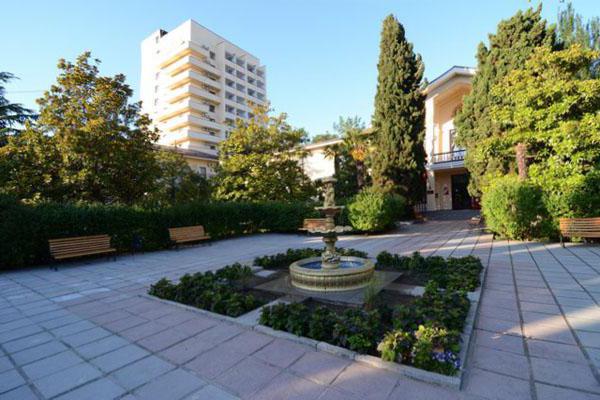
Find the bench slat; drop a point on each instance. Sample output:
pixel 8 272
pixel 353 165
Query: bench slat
pixel 580 227
pixel 188 234
pixel 72 247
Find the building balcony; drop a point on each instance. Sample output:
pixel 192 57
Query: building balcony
pixel 191 60
pixel 447 160
pixel 192 121
pixel 197 77
pixel 193 91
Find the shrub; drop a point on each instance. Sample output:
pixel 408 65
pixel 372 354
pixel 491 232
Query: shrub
pixel 452 273
pixel 399 206
pixel 436 349
pixel 515 209
pixel 25 229
pixel 283 260
pixel 209 291
pixel 371 211
pixel 584 200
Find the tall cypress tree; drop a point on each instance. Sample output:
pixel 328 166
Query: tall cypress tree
pixel 509 48
pixel 398 160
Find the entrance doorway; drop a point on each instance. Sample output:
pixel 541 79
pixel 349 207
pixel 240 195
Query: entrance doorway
pixel 460 196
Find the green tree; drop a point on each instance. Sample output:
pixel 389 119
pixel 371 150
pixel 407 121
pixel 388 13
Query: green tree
pixel 350 156
pixel 572 30
pixel 30 167
pixel 88 143
pixel 323 137
pixel 555 110
pixel 177 182
pixel 508 49
pixel 105 144
pixel 259 161
pixel 398 159
pixel 11 114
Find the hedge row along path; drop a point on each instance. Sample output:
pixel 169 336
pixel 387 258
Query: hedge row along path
pixel 84 330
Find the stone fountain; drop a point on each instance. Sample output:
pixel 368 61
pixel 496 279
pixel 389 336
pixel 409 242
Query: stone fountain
pixel 331 272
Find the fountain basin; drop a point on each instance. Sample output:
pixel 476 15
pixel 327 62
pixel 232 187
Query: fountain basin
pixel 352 273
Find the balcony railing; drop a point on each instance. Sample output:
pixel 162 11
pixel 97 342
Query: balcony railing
pixel 449 156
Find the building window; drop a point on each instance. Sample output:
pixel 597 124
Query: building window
pixel 452 136
pixel 212 55
pixel 211 108
pixel 202 171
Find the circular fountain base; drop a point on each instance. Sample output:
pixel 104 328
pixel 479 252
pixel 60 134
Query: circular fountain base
pixel 352 273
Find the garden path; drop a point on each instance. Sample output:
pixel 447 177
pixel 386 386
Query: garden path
pixel 84 332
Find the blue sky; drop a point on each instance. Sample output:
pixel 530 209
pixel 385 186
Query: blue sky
pixel 321 56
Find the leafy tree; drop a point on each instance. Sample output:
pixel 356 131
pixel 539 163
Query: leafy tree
pixel 106 145
pixel 88 139
pixel 323 137
pixel 572 30
pixel 11 114
pixel 177 183
pixel 555 110
pixel 398 160
pixel 350 156
pixel 508 49
pixel 259 161
pixel 30 167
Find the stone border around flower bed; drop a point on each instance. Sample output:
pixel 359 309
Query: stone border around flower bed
pixel 249 321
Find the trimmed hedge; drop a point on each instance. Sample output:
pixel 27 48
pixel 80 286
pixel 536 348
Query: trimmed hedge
pixel 25 229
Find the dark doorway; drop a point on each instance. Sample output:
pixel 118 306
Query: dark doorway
pixel 460 196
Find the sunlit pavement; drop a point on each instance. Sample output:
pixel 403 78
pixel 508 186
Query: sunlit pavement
pixel 83 331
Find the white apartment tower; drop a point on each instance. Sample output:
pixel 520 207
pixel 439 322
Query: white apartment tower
pixel 194 85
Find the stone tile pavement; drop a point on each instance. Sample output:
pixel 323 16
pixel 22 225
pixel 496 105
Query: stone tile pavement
pixel 84 333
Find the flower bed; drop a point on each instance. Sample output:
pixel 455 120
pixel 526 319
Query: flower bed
pixel 424 333
pixel 451 273
pixel 224 292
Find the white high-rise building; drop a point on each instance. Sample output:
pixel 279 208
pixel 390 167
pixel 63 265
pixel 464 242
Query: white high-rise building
pixel 194 85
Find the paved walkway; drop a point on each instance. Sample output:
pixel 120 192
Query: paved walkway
pixel 84 333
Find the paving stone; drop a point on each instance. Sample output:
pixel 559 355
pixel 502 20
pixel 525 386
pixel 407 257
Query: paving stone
pixel 81 338
pixel 320 367
pixel 101 346
pixel 5 364
pixel 196 325
pixel 126 323
pixel 495 386
pixel 38 352
pixel 281 353
pixel 20 393
pixel 247 377
pixel 499 341
pixel 412 389
pixel 10 379
pixel 214 362
pixel 500 361
pixel 339 394
pixel 248 342
pixel 142 331
pixel 553 333
pixel 500 326
pixel 547 392
pixel 52 364
pixel 360 380
pixel 556 351
pixel 175 318
pixel 141 372
pixel 290 387
pixel 211 392
pixel 564 374
pixel 173 385
pixel 102 389
pixel 74 328
pixel 27 342
pixel 60 322
pixel 589 339
pixel 119 358
pixel 66 379
pixel 162 340
pixel 186 350
pixel 220 333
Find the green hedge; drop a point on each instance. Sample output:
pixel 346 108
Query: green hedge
pixel 373 211
pixel 25 229
pixel 515 209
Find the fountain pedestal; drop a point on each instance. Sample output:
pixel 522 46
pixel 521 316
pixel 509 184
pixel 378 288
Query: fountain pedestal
pixel 331 272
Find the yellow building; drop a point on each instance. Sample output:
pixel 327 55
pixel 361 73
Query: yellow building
pixel 447 177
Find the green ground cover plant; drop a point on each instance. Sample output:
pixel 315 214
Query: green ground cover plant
pixel 424 333
pixel 452 273
pixel 221 292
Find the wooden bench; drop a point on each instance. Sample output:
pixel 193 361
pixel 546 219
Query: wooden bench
pixel 579 227
pixel 187 234
pixel 313 223
pixel 72 247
